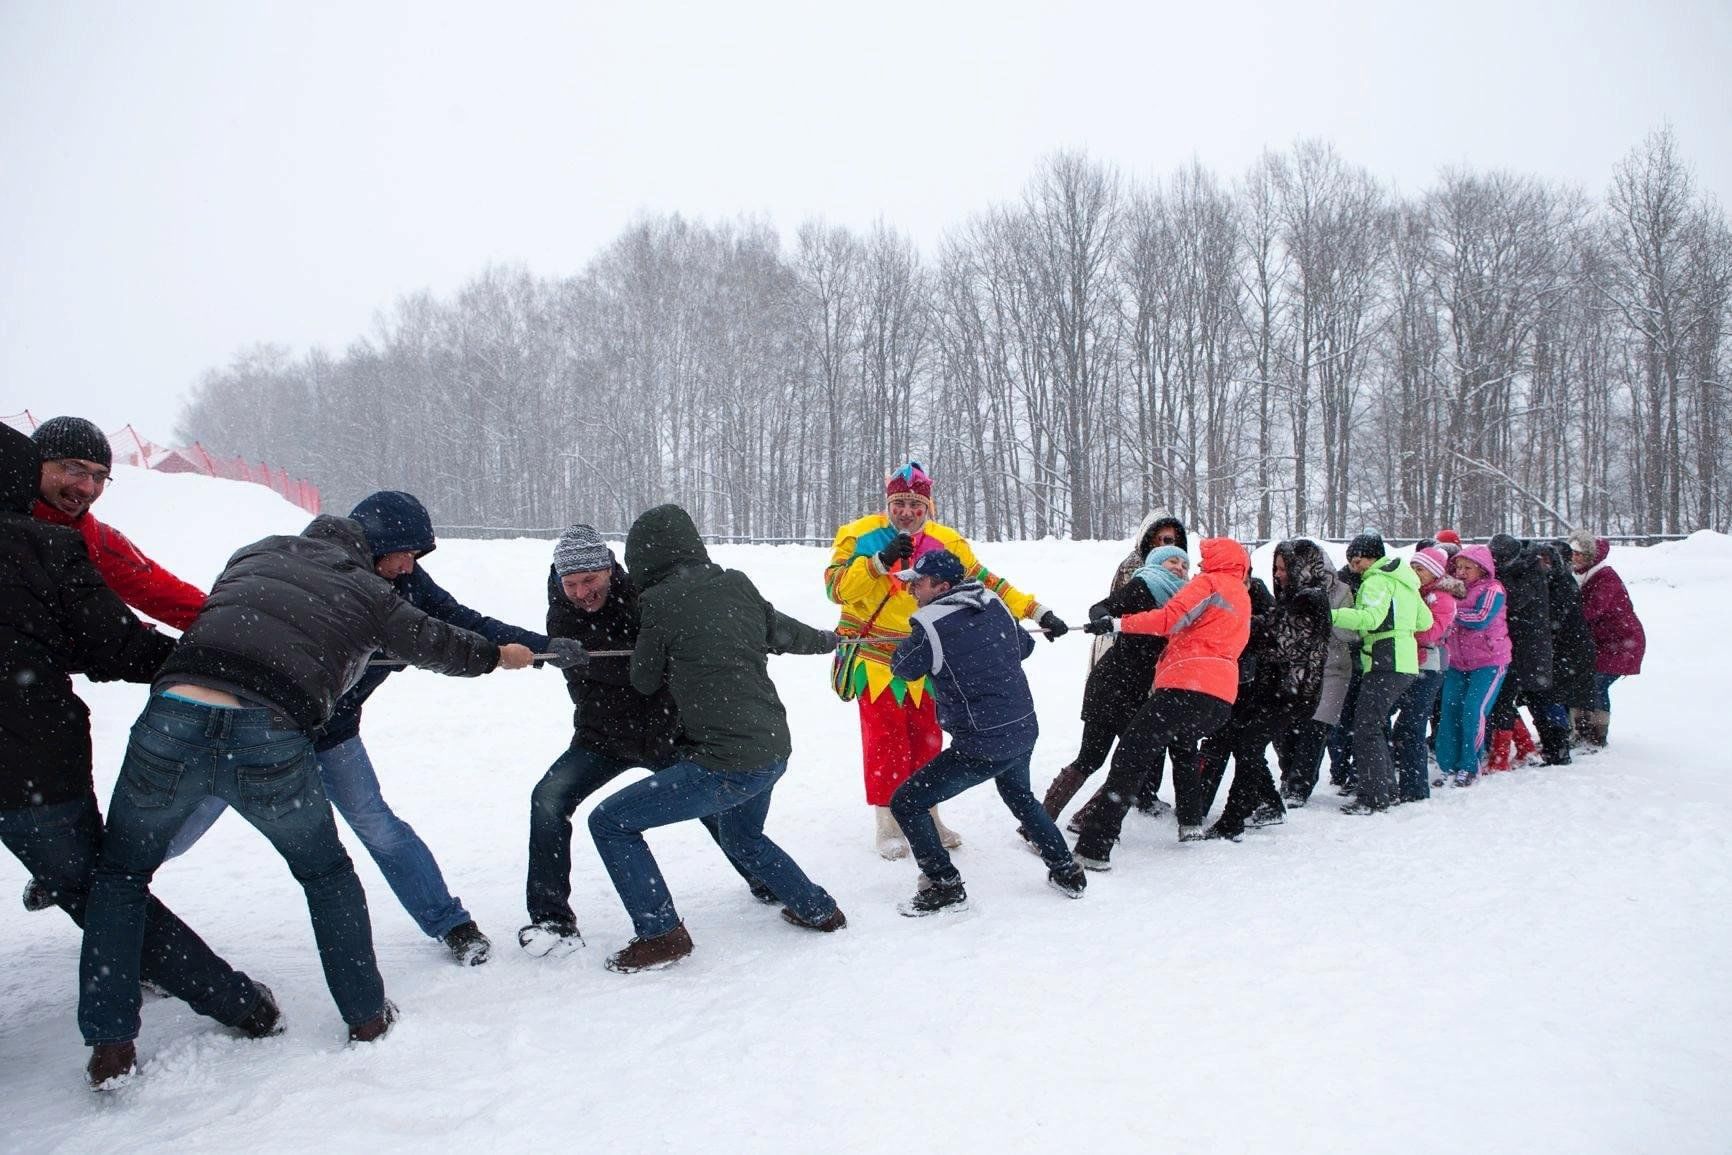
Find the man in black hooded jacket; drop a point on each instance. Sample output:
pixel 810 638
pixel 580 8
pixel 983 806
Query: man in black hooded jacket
pixel 57 617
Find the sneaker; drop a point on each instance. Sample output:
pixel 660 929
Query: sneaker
pixel 1464 778
pixel 652 954
pixel 38 895
pixel 829 924
pixel 1218 832
pixel 376 1027
pixel 1069 881
pixel 265 1019
pixel 764 894
pixel 932 897
pixel 1294 801
pixel 111 1066
pixel 1357 808
pixel 1267 814
pixel 1190 834
pixel 547 937
pixel 468 945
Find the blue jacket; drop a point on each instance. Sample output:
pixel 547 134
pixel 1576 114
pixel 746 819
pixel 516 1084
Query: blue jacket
pixel 971 651
pixel 392 522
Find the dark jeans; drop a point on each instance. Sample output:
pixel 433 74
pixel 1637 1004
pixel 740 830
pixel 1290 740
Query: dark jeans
pixel 260 764
pixel 59 844
pixel 1373 761
pixel 1341 748
pixel 740 801
pixel 1245 738
pixel 1416 708
pixel 1300 752
pixel 1170 720
pixel 573 777
pixel 950 774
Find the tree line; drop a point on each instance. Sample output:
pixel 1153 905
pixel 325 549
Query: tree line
pixel 1296 351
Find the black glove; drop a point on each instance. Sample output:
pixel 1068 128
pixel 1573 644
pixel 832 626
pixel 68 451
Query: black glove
pixel 1098 611
pixel 568 654
pixel 901 548
pixel 1054 626
pixel 1099 626
pixel 833 638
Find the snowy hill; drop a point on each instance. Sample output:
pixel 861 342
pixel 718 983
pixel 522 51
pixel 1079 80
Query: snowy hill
pixel 1536 965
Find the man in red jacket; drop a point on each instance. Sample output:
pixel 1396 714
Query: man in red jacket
pixel 76 463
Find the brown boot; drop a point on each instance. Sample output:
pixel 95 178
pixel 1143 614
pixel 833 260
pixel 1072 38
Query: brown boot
pixel 648 954
pixel 1062 790
pixel 830 923
pixel 376 1027
pixel 111 1065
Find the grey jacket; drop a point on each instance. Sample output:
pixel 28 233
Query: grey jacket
pixel 292 621
pixel 1338 668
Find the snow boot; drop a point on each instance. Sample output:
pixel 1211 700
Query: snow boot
pixel 1084 813
pixel 763 893
pixel 1268 814
pixel 1464 778
pixel 829 924
pixel 1497 759
pixel 376 1027
pixel 1191 834
pixel 1064 787
pixel 1599 725
pixel 1220 833
pixel 1069 881
pixel 111 1066
pixel 933 897
pixel 38 895
pixel 468 945
pixel 265 1019
pixel 650 954
pixel 1293 801
pixel 892 843
pixel 1525 750
pixel 947 837
pixel 1359 808
pixel 550 937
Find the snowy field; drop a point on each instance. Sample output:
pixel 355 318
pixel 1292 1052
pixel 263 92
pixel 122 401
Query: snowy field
pixel 1536 965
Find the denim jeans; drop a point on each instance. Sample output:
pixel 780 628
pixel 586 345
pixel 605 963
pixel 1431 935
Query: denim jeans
pixel 1412 781
pixel 352 785
pixel 950 774
pixel 739 800
pixel 58 845
pixel 256 760
pixel 574 776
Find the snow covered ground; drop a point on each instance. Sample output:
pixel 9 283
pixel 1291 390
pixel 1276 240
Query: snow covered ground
pixel 1535 965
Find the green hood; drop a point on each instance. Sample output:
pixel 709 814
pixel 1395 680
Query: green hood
pixel 661 541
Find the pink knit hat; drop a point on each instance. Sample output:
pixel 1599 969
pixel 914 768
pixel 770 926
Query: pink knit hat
pixel 1431 560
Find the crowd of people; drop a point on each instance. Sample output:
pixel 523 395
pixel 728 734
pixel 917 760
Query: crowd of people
pixel 257 707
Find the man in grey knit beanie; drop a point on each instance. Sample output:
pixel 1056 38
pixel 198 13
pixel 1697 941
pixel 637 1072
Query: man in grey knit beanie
pixel 580 549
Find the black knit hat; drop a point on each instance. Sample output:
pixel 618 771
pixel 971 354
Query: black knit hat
pixel 60 437
pixel 1368 544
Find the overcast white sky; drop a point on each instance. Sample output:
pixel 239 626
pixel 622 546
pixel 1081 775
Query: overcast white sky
pixel 181 180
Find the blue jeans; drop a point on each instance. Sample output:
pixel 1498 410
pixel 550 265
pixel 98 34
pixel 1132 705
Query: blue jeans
pixel 1467 699
pixel 1603 691
pixel 352 786
pixel 260 763
pixel 574 776
pixel 950 774
pixel 739 800
pixel 1412 782
pixel 58 845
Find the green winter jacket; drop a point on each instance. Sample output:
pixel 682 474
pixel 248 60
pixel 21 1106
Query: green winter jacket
pixel 1387 612
pixel 705 632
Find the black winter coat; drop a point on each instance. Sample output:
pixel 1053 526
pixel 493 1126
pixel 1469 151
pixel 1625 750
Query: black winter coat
pixel 611 717
pixel 704 632
pixel 1300 633
pixel 1527 612
pixel 1121 681
pixel 293 621
pixel 57 617
pixel 1573 650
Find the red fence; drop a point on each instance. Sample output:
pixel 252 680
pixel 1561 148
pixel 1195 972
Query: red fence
pixel 132 449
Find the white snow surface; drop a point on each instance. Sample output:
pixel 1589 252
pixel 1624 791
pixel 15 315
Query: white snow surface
pixel 1538 964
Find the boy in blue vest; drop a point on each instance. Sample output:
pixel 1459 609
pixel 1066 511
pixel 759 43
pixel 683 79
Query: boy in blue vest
pixel 970 650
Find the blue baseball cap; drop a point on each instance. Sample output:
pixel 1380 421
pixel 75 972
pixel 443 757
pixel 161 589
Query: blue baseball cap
pixel 940 565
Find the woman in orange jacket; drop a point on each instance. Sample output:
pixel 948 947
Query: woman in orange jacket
pixel 1206 624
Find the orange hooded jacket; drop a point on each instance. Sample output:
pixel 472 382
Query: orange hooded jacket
pixel 1206 623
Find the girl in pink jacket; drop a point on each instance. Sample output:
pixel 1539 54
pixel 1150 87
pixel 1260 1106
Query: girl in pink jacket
pixel 1478 656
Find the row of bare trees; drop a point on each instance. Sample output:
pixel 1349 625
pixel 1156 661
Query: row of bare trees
pixel 1298 351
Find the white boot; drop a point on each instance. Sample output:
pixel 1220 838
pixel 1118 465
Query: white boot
pixel 948 837
pixel 892 844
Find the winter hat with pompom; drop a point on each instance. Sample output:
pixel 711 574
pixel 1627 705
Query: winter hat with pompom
pixel 910 481
pixel 1433 561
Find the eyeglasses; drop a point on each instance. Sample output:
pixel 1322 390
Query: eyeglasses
pixel 1166 539
pixel 76 472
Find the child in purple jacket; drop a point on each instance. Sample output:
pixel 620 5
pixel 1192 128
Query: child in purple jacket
pixel 1479 654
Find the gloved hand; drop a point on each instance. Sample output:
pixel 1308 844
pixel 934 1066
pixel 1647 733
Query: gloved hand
pixel 1098 611
pixel 833 638
pixel 1054 626
pixel 568 654
pixel 1101 626
pixel 901 548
